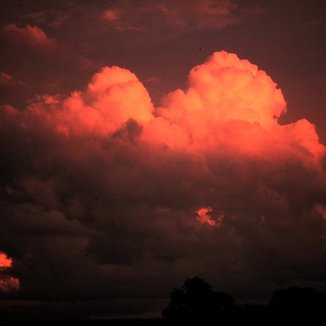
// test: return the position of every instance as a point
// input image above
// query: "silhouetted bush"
(197, 301)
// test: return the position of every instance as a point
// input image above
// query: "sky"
(146, 142)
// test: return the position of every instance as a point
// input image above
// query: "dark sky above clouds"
(144, 142)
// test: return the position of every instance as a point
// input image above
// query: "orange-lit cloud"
(113, 96)
(204, 216)
(5, 261)
(230, 105)
(7, 282)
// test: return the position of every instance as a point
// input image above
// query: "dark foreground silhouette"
(196, 300)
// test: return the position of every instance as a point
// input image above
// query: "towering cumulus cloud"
(102, 194)
(113, 96)
(233, 105)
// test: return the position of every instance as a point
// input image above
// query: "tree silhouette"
(196, 300)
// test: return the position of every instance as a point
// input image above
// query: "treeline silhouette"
(196, 300)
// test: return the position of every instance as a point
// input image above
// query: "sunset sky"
(145, 142)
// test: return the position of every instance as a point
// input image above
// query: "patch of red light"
(5, 261)
(7, 283)
(204, 216)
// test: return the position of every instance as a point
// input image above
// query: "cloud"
(204, 217)
(197, 15)
(48, 51)
(53, 18)
(30, 36)
(5, 79)
(231, 105)
(37, 63)
(5, 261)
(7, 282)
(321, 210)
(7, 82)
(103, 193)
(102, 108)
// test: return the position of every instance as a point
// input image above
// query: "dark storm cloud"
(41, 61)
(100, 190)
(175, 15)
(54, 47)
(30, 36)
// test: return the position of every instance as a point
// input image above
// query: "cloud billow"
(101, 190)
